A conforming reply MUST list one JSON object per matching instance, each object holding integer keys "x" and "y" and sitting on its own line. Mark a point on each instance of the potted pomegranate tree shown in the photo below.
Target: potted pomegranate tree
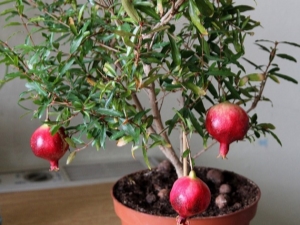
{"x": 114, "y": 65}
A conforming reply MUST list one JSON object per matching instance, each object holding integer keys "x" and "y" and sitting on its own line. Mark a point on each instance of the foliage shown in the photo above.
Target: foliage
{"x": 94, "y": 59}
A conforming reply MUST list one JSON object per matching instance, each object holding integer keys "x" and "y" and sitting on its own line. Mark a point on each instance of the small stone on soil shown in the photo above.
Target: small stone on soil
{"x": 225, "y": 189}
{"x": 215, "y": 176}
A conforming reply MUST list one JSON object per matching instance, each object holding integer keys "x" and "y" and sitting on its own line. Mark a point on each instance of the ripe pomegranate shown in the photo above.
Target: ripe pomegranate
{"x": 189, "y": 196}
{"x": 226, "y": 122}
{"x": 47, "y": 146}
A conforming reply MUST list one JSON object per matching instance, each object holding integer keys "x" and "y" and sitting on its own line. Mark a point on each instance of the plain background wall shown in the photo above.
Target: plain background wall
{"x": 276, "y": 169}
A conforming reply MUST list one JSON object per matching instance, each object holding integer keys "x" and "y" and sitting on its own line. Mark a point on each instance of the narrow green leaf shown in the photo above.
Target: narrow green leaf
{"x": 196, "y": 124}
{"x": 7, "y": 1}
{"x": 195, "y": 17}
{"x": 266, "y": 126}
{"x": 109, "y": 70}
{"x": 102, "y": 136}
{"x": 290, "y": 43}
{"x": 54, "y": 128}
{"x": 186, "y": 153}
{"x": 251, "y": 77}
{"x": 124, "y": 141}
{"x": 76, "y": 43}
{"x": 109, "y": 99}
{"x": 36, "y": 87}
{"x": 225, "y": 73}
{"x": 232, "y": 89}
{"x": 71, "y": 157}
{"x": 274, "y": 78}
{"x": 146, "y": 159}
{"x": 176, "y": 56}
{"x": 131, "y": 11}
{"x": 150, "y": 11}
{"x": 70, "y": 142}
{"x": 117, "y": 135}
{"x": 160, "y": 139}
{"x": 286, "y": 56}
{"x": 285, "y": 77}
{"x": 66, "y": 67}
{"x": 205, "y": 7}
{"x": 7, "y": 11}
{"x": 275, "y": 137}
{"x": 12, "y": 24}
{"x": 160, "y": 28}
{"x": 150, "y": 80}
{"x": 194, "y": 88}
{"x": 263, "y": 47}
{"x": 178, "y": 113}
{"x": 109, "y": 112}
{"x": 244, "y": 8}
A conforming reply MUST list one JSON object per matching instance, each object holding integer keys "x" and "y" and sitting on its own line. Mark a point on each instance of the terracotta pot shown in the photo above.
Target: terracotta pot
{"x": 129, "y": 216}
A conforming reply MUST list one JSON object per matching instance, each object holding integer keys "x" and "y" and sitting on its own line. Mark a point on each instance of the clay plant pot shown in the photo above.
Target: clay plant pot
{"x": 130, "y": 216}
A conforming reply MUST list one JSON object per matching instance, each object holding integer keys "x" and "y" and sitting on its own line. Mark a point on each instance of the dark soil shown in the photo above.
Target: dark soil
{"x": 148, "y": 190}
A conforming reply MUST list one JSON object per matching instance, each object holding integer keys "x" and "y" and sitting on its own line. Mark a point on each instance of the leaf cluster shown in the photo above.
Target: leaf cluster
{"x": 93, "y": 60}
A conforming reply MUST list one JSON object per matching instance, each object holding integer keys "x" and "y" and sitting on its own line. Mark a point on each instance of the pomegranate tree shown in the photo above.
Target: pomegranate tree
{"x": 189, "y": 196}
{"x": 126, "y": 72}
{"x": 48, "y": 146}
{"x": 226, "y": 122}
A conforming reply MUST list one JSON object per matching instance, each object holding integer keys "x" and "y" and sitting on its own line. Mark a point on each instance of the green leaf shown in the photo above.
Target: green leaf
{"x": 109, "y": 70}
{"x": 196, "y": 124}
{"x": 76, "y": 43}
{"x": 291, "y": 43}
{"x": 54, "y": 128}
{"x": 160, "y": 28}
{"x": 159, "y": 139}
{"x": 6, "y": 1}
{"x": 194, "y": 88}
{"x": 109, "y": 112}
{"x": 66, "y": 67}
{"x": 225, "y": 73}
{"x": 275, "y": 137}
{"x": 36, "y": 87}
{"x": 71, "y": 157}
{"x": 175, "y": 51}
{"x": 70, "y": 142}
{"x": 7, "y": 11}
{"x": 251, "y": 77}
{"x": 288, "y": 57}
{"x": 117, "y": 135}
{"x": 266, "y": 126}
{"x": 285, "y": 77}
{"x": 124, "y": 141}
{"x": 150, "y": 80}
{"x": 150, "y": 11}
{"x": 263, "y": 47}
{"x": 145, "y": 155}
{"x": 12, "y": 24}
{"x": 131, "y": 11}
{"x": 244, "y": 8}
{"x": 186, "y": 153}
{"x": 195, "y": 17}
{"x": 232, "y": 89}
{"x": 274, "y": 78}
{"x": 205, "y": 7}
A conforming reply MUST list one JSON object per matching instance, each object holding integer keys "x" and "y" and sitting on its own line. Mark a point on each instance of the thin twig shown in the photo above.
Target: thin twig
{"x": 204, "y": 150}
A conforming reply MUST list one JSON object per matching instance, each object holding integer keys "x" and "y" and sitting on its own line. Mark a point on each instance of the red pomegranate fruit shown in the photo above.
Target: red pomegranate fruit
{"x": 189, "y": 196}
{"x": 47, "y": 146}
{"x": 226, "y": 122}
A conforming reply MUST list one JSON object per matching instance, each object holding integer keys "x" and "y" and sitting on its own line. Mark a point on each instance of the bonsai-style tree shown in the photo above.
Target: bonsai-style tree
{"x": 98, "y": 59}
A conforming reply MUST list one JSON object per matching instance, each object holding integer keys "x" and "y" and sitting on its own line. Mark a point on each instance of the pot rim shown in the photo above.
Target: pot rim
{"x": 253, "y": 204}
